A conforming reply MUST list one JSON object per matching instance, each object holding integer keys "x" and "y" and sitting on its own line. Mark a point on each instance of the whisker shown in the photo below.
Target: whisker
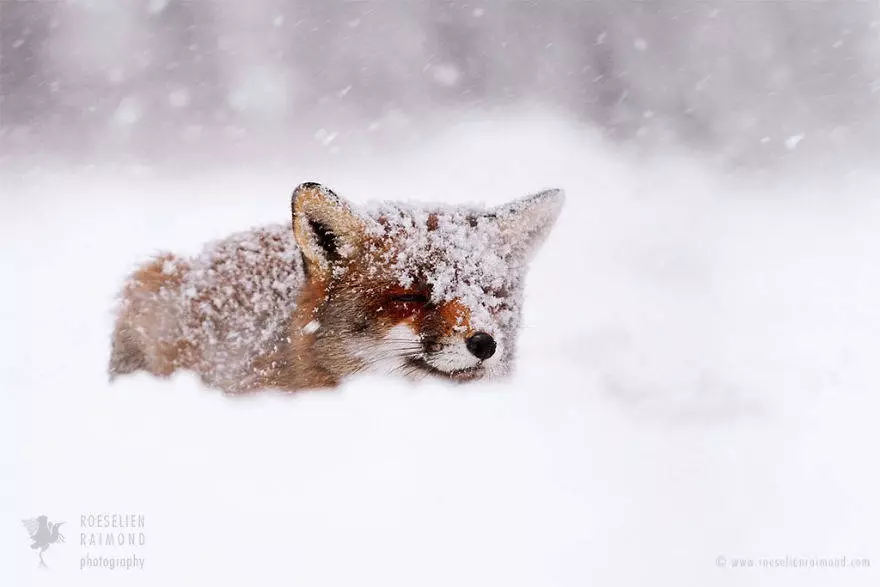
{"x": 372, "y": 361}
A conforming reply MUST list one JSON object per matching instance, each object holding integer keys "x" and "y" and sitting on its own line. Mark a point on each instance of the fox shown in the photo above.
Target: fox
{"x": 397, "y": 288}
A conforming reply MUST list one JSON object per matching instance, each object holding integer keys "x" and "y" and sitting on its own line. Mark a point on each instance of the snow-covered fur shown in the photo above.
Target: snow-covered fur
{"x": 415, "y": 289}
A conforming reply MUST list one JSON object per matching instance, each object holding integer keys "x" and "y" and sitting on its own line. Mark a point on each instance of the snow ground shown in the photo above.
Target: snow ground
{"x": 697, "y": 379}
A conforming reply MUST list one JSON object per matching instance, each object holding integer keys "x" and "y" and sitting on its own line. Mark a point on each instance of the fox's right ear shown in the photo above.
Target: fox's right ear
{"x": 326, "y": 229}
{"x": 527, "y": 222}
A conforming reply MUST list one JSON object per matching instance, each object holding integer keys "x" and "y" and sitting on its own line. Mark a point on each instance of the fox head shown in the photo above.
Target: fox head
{"x": 420, "y": 290}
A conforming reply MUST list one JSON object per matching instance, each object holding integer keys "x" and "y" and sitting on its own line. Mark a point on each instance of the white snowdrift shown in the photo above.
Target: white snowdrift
{"x": 697, "y": 379}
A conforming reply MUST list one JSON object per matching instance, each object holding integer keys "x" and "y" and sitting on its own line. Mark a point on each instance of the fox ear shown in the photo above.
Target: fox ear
{"x": 326, "y": 229}
{"x": 525, "y": 223}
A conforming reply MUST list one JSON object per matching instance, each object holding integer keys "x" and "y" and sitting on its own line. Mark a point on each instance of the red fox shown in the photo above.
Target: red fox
{"x": 419, "y": 290}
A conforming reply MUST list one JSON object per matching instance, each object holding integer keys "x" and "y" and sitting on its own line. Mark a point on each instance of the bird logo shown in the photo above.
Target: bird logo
{"x": 43, "y": 534}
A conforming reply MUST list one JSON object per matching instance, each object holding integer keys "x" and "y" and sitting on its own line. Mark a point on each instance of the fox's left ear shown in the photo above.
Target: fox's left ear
{"x": 326, "y": 228}
{"x": 525, "y": 223}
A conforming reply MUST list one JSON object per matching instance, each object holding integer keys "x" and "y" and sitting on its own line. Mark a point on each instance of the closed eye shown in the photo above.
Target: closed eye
{"x": 411, "y": 298}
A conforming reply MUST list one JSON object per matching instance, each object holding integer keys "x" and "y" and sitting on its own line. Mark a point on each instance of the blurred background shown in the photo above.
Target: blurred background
{"x": 749, "y": 81}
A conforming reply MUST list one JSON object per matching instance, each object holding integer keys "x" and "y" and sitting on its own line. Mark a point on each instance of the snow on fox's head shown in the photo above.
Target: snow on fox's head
{"x": 418, "y": 289}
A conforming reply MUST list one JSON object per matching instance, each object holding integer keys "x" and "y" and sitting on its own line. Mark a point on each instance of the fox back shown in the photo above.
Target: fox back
{"x": 417, "y": 290}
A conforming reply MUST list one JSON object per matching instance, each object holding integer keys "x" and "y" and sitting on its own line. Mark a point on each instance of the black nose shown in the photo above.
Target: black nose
{"x": 481, "y": 345}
